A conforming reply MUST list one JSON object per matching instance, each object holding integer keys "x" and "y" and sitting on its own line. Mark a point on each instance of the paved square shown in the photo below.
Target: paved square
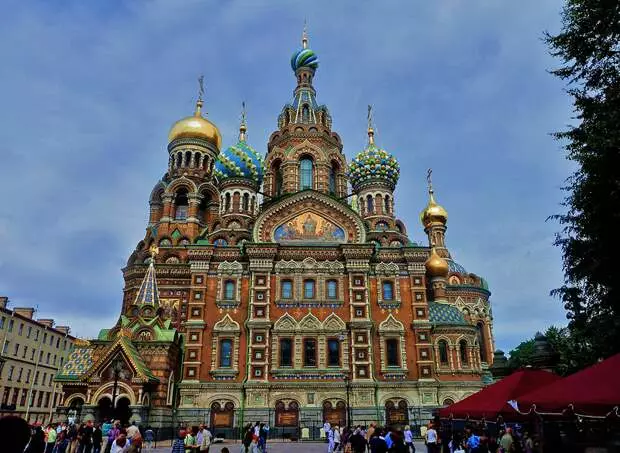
{"x": 277, "y": 447}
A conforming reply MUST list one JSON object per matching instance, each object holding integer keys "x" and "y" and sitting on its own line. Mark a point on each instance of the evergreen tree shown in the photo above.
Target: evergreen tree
{"x": 589, "y": 47}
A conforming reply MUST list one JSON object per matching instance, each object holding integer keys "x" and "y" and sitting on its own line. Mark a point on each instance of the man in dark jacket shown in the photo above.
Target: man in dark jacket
{"x": 358, "y": 442}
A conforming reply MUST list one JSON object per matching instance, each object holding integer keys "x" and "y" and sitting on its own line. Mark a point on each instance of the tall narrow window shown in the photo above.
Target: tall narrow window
{"x": 443, "y": 352}
{"x": 332, "y": 289}
{"x": 287, "y": 289}
{"x": 309, "y": 352}
{"x": 306, "y": 173}
{"x": 227, "y": 202}
{"x": 286, "y": 352}
{"x": 305, "y": 114}
{"x": 225, "y": 353}
{"x": 333, "y": 352}
{"x": 391, "y": 350}
{"x": 246, "y": 202}
{"x": 388, "y": 290}
{"x": 308, "y": 289}
{"x": 277, "y": 179}
{"x": 370, "y": 204}
{"x": 463, "y": 352}
{"x": 386, "y": 205}
{"x": 333, "y": 172}
{"x": 181, "y": 205}
{"x": 229, "y": 290}
{"x": 482, "y": 342}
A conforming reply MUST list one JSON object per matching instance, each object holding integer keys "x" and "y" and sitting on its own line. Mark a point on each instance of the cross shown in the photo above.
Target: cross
{"x": 429, "y": 173}
{"x": 201, "y": 87}
{"x": 243, "y": 112}
{"x": 369, "y": 116}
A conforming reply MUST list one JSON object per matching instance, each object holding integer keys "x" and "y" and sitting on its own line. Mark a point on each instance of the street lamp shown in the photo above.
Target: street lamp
{"x": 117, "y": 367}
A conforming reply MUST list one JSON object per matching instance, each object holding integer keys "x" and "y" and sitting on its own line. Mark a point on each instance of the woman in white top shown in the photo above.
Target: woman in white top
{"x": 431, "y": 439}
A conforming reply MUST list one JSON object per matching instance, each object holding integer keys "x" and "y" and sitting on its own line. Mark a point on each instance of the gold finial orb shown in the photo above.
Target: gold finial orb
{"x": 153, "y": 251}
{"x": 435, "y": 265}
{"x": 433, "y": 213}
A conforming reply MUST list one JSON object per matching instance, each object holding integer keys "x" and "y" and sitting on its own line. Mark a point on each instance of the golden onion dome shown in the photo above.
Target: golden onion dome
{"x": 433, "y": 213}
{"x": 196, "y": 126}
{"x": 436, "y": 266}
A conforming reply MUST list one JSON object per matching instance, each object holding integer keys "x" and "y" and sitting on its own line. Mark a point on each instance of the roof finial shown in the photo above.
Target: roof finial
{"x": 153, "y": 251}
{"x": 201, "y": 92}
{"x": 243, "y": 126}
{"x": 429, "y": 180}
{"x": 304, "y": 35}
{"x": 371, "y": 131}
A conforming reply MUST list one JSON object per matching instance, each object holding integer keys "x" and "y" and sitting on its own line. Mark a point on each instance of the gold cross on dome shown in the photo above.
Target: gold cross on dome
{"x": 201, "y": 87}
{"x": 429, "y": 180}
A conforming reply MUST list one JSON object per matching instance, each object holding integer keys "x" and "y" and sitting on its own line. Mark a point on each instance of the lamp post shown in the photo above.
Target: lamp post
{"x": 117, "y": 367}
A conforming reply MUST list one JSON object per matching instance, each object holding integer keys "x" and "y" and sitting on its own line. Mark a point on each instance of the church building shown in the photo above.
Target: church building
{"x": 284, "y": 288}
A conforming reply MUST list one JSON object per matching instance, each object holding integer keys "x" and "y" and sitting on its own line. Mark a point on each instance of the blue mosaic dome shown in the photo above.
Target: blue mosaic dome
{"x": 304, "y": 58}
{"x": 240, "y": 161}
{"x": 439, "y": 313}
{"x": 373, "y": 164}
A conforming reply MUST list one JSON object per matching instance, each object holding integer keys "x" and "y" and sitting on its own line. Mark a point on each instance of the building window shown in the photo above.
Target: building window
{"x": 5, "y": 348}
{"x": 229, "y": 290}
{"x": 16, "y": 349}
{"x": 29, "y": 332}
{"x": 333, "y": 171}
{"x": 36, "y": 378}
{"x": 482, "y": 341}
{"x": 225, "y": 353}
{"x": 391, "y": 349}
{"x": 287, "y": 289}
{"x": 286, "y": 352}
{"x": 388, "y": 291}
{"x": 306, "y": 173}
{"x": 309, "y": 352}
{"x": 308, "y": 289}
{"x": 443, "y": 352}
{"x": 333, "y": 352}
{"x": 370, "y": 204}
{"x": 181, "y": 205}
{"x": 463, "y": 352}
{"x": 19, "y": 375}
{"x": 11, "y": 324}
{"x": 246, "y": 202}
{"x": 332, "y": 289}
{"x": 10, "y": 375}
{"x": 44, "y": 337}
{"x": 20, "y": 330}
{"x": 25, "y": 352}
{"x": 277, "y": 179}
{"x": 2, "y": 320}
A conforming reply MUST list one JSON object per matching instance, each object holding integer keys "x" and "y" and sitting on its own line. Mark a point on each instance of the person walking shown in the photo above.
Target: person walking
{"x": 377, "y": 442}
{"x": 97, "y": 438}
{"x": 149, "y": 437}
{"x": 113, "y": 433}
{"x": 431, "y": 439}
{"x": 51, "y": 436}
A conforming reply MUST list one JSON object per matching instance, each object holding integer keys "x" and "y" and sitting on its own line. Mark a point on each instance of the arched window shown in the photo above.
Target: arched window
{"x": 388, "y": 290}
{"x": 229, "y": 290}
{"x": 203, "y": 207}
{"x": 305, "y": 114}
{"x": 333, "y": 174}
{"x": 463, "y": 352}
{"x": 306, "y": 173}
{"x": 246, "y": 202}
{"x": 227, "y": 202}
{"x": 226, "y": 353}
{"x": 391, "y": 352}
{"x": 332, "y": 289}
{"x": 277, "y": 179}
{"x": 386, "y": 205}
{"x": 448, "y": 402}
{"x": 308, "y": 289}
{"x": 443, "y": 352}
{"x": 482, "y": 341}
{"x": 370, "y": 208}
{"x": 286, "y": 289}
{"x": 181, "y": 205}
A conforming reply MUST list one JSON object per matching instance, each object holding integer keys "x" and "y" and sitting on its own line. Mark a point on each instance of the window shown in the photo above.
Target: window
{"x": 306, "y": 173}
{"x": 20, "y": 330}
{"x": 481, "y": 341}
{"x": 36, "y": 378}
{"x": 332, "y": 289}
{"x": 309, "y": 289}
{"x": 391, "y": 350}
{"x": 181, "y": 205}
{"x": 57, "y": 342}
{"x": 246, "y": 202}
{"x": 2, "y": 321}
{"x": 225, "y": 353}
{"x": 229, "y": 290}
{"x": 386, "y": 204}
{"x": 11, "y": 324}
{"x": 44, "y": 337}
{"x": 47, "y": 360}
{"x": 370, "y": 204}
{"x": 25, "y": 352}
{"x": 287, "y": 289}
{"x": 6, "y": 347}
{"x": 36, "y": 335}
{"x": 10, "y": 375}
{"x": 388, "y": 291}
{"x": 29, "y": 332}
{"x": 333, "y": 171}
{"x": 333, "y": 352}
{"x": 19, "y": 375}
{"x": 16, "y": 349}
{"x": 286, "y": 352}
{"x": 277, "y": 179}
{"x": 309, "y": 352}
{"x": 28, "y": 376}
{"x": 227, "y": 202}
{"x": 49, "y": 382}
{"x": 463, "y": 352}
{"x": 22, "y": 401}
{"x": 443, "y": 352}
{"x": 32, "y": 354}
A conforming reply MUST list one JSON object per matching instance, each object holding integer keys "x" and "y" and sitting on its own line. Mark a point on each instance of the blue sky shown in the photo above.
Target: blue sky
{"x": 90, "y": 89}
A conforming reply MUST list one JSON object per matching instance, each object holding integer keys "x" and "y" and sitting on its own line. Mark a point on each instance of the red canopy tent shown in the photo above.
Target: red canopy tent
{"x": 491, "y": 401}
{"x": 591, "y": 392}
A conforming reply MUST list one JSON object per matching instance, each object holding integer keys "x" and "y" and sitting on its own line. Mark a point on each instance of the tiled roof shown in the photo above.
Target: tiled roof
{"x": 443, "y": 313}
{"x": 79, "y": 361}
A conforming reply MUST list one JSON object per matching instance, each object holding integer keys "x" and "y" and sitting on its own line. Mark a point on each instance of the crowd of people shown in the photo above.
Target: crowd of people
{"x": 373, "y": 439}
{"x": 197, "y": 439}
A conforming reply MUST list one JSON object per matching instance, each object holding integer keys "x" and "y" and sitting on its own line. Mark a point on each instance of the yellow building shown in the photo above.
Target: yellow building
{"x": 32, "y": 352}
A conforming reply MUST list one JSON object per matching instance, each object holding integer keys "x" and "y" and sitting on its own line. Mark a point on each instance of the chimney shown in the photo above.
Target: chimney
{"x": 46, "y": 322}
{"x": 26, "y": 312}
{"x": 62, "y": 329}
{"x": 3, "y": 301}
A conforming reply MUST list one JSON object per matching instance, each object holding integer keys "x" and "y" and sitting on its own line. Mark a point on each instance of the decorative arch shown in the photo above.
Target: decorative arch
{"x": 334, "y": 323}
{"x": 226, "y": 324}
{"x": 123, "y": 390}
{"x": 310, "y": 323}
{"x": 182, "y": 182}
{"x": 285, "y": 323}
{"x": 391, "y": 324}
{"x": 76, "y": 396}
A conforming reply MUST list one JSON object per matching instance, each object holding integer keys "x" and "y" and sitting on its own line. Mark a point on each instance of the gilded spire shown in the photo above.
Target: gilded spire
{"x": 304, "y": 36}
{"x": 371, "y": 131}
{"x": 243, "y": 126}
{"x": 201, "y": 92}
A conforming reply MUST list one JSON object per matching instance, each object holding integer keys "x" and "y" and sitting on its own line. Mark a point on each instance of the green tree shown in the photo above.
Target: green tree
{"x": 589, "y": 47}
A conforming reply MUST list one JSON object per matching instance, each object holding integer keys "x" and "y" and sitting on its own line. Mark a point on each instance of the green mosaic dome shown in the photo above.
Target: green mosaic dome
{"x": 373, "y": 163}
{"x": 240, "y": 161}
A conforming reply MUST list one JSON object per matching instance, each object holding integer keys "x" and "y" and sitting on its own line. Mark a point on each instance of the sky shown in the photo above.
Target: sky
{"x": 89, "y": 90}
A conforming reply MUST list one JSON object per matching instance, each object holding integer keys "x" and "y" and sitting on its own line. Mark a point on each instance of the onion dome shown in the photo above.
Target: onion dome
{"x": 435, "y": 265}
{"x": 240, "y": 160}
{"x": 433, "y": 212}
{"x": 304, "y": 57}
{"x": 373, "y": 164}
{"x": 196, "y": 126}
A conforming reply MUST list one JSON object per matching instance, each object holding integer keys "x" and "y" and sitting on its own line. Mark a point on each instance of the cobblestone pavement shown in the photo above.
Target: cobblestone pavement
{"x": 277, "y": 447}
